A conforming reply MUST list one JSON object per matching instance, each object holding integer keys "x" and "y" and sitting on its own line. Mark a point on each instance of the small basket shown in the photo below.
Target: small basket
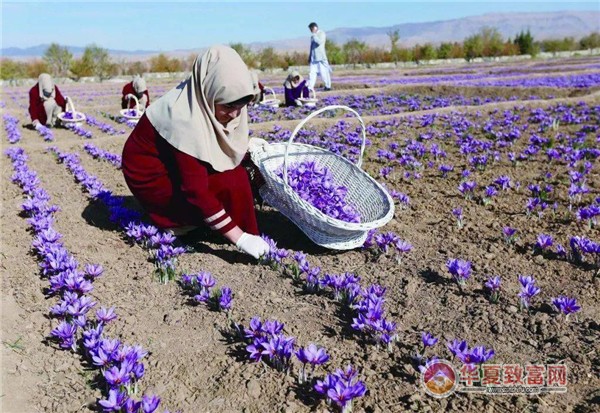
{"x": 273, "y": 102}
{"x": 309, "y": 102}
{"x": 366, "y": 195}
{"x": 71, "y": 117}
{"x": 133, "y": 114}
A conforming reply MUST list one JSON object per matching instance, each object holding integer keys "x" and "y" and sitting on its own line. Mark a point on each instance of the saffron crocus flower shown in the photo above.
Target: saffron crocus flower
{"x": 312, "y": 355}
{"x": 544, "y": 242}
{"x": 402, "y": 247}
{"x": 458, "y": 214}
{"x": 150, "y": 403}
{"x": 116, "y": 377}
{"x": 428, "y": 340}
{"x": 566, "y": 305}
{"x": 457, "y": 347}
{"x": 477, "y": 355}
{"x": 115, "y": 402}
{"x": 65, "y": 333}
{"x": 460, "y": 270}
{"x": 494, "y": 284}
{"x": 105, "y": 315}
{"x": 528, "y": 291}
{"x": 509, "y": 234}
{"x": 225, "y": 298}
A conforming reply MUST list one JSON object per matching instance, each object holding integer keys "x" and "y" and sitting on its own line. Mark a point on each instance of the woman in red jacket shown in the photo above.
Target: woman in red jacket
{"x": 138, "y": 88}
{"x": 183, "y": 159}
{"x": 45, "y": 102}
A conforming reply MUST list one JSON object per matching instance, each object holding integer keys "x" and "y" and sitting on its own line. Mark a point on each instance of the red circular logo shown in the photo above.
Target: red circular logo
{"x": 439, "y": 378}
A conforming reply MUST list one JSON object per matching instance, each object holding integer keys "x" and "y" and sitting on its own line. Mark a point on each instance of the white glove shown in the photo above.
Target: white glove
{"x": 128, "y": 96}
{"x": 298, "y": 102}
{"x": 36, "y": 124}
{"x": 256, "y": 143}
{"x": 252, "y": 245}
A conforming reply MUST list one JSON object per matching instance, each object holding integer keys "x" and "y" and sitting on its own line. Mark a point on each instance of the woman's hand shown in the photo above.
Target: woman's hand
{"x": 252, "y": 245}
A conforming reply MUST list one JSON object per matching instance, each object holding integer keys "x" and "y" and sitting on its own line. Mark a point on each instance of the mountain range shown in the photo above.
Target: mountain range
{"x": 542, "y": 26}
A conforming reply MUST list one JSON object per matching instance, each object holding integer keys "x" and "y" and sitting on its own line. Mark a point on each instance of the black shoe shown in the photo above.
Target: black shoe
{"x": 327, "y": 89}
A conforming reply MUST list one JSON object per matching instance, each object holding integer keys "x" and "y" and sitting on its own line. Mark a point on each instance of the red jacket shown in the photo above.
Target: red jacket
{"x": 36, "y": 104}
{"x": 128, "y": 89}
{"x": 177, "y": 189}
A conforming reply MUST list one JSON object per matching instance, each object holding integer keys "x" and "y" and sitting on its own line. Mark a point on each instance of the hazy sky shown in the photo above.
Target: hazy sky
{"x": 150, "y": 25}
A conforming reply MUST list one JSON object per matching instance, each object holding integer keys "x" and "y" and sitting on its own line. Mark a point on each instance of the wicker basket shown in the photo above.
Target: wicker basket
{"x": 366, "y": 195}
{"x": 138, "y": 112}
{"x": 309, "y": 102}
{"x": 272, "y": 102}
{"x": 78, "y": 117}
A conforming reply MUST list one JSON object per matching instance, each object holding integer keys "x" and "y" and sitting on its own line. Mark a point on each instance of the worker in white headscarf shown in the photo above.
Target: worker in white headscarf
{"x": 295, "y": 87}
{"x": 137, "y": 87}
{"x": 183, "y": 160}
{"x": 45, "y": 102}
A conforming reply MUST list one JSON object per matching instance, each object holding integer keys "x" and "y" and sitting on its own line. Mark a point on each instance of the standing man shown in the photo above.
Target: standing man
{"x": 317, "y": 58}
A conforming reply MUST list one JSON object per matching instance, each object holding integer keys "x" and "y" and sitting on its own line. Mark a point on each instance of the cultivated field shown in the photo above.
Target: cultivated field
{"x": 466, "y": 151}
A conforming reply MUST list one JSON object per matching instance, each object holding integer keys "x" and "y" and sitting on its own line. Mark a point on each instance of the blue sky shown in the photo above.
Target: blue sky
{"x": 165, "y": 26}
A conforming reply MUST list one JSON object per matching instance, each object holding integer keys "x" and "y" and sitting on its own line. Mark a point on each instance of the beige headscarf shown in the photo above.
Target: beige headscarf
{"x": 290, "y": 83}
{"x": 139, "y": 84}
{"x": 45, "y": 83}
{"x": 185, "y": 118}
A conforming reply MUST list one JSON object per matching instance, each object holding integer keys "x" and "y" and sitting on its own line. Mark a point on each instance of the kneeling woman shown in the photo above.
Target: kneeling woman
{"x": 183, "y": 159}
{"x": 295, "y": 87}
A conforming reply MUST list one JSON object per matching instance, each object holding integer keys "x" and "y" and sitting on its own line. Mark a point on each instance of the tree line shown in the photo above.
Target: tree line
{"x": 488, "y": 42}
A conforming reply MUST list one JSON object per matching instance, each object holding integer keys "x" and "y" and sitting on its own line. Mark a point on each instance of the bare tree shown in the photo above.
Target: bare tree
{"x": 58, "y": 59}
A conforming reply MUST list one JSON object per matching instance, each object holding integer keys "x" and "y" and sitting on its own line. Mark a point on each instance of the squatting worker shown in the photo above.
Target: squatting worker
{"x": 183, "y": 159}
{"x": 295, "y": 88}
{"x": 317, "y": 58}
{"x": 137, "y": 87}
{"x": 45, "y": 102}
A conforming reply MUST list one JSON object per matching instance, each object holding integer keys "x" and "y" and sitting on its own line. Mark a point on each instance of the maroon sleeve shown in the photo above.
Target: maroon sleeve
{"x": 195, "y": 188}
{"x": 34, "y": 104}
{"x": 127, "y": 89}
{"x": 60, "y": 99}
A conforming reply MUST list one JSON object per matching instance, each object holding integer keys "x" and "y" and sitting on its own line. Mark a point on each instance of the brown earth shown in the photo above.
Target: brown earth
{"x": 193, "y": 367}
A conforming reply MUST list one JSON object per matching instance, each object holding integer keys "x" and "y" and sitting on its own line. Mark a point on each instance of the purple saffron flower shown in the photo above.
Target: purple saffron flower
{"x": 458, "y": 214}
{"x": 115, "y": 402}
{"x": 93, "y": 271}
{"x": 460, "y": 270}
{"x": 65, "y": 333}
{"x": 342, "y": 394}
{"x": 528, "y": 291}
{"x": 494, "y": 285}
{"x": 150, "y": 403}
{"x": 428, "y": 339}
{"x": 566, "y": 305}
{"x": 457, "y": 347}
{"x": 544, "y": 241}
{"x": 225, "y": 298}
{"x": 106, "y": 315}
{"x": 312, "y": 354}
{"x": 117, "y": 377}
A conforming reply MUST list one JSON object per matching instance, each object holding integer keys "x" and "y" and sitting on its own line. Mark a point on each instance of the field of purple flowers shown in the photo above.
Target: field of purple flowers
{"x": 493, "y": 256}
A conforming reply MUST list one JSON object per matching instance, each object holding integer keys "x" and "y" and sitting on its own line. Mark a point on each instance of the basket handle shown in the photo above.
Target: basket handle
{"x": 272, "y": 92}
{"x": 137, "y": 102}
{"x": 309, "y": 117}
{"x": 69, "y": 102}
{"x": 314, "y": 94}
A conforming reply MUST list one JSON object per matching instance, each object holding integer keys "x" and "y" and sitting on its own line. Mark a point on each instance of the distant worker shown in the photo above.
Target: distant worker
{"x": 137, "y": 87}
{"x": 317, "y": 58}
{"x": 295, "y": 87}
{"x": 45, "y": 102}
